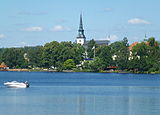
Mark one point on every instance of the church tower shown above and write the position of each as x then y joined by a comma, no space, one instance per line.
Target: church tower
81,39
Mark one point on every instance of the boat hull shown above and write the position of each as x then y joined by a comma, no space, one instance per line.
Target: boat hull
15,84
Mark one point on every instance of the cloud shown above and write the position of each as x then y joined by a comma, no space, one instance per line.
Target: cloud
108,9
23,43
60,28
33,29
2,36
138,21
112,37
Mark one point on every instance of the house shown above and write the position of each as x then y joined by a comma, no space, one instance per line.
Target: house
130,49
132,45
112,68
3,66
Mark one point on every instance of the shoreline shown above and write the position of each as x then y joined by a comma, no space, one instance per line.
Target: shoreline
69,71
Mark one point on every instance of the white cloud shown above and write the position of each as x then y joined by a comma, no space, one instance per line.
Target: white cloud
2,36
107,9
138,21
112,37
60,28
23,43
33,29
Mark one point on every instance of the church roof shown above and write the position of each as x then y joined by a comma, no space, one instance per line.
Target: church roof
99,42
81,30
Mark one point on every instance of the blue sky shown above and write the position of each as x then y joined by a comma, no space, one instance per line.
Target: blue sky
36,22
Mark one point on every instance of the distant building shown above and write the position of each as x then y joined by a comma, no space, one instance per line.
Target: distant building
130,50
132,45
81,39
3,66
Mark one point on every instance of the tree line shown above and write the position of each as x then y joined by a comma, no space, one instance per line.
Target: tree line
143,57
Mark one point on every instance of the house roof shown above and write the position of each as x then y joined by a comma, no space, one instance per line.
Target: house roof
132,45
3,65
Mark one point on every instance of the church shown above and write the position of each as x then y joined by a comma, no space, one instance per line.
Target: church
81,38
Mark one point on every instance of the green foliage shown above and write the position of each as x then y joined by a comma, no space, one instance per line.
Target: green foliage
95,65
144,57
14,57
50,55
104,53
116,46
152,42
55,52
59,66
69,64
90,48
34,56
121,51
140,49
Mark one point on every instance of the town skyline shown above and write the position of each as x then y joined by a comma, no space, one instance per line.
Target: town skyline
32,23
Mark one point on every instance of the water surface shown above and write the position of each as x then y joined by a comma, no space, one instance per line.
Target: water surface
80,94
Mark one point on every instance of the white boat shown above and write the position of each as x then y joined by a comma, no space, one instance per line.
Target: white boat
15,84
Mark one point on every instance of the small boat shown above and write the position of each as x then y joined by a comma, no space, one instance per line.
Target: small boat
15,84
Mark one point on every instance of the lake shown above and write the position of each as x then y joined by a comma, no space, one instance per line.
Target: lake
80,94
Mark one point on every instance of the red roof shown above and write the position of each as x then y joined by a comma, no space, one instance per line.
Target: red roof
3,65
132,45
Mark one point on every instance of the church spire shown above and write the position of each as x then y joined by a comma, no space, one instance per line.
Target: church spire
81,30
81,23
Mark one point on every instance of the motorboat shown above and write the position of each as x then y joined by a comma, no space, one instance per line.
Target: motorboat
15,84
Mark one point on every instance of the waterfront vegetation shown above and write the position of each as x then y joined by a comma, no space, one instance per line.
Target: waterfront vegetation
144,57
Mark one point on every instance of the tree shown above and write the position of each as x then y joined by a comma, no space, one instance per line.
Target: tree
34,56
153,54
59,66
14,58
146,56
115,47
96,65
79,52
152,42
139,54
104,53
51,53
125,42
90,48
69,64
60,52
121,51
71,51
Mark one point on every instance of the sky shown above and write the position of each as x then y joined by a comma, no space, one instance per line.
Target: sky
37,22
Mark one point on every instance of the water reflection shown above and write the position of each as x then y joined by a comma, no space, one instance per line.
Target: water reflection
81,101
